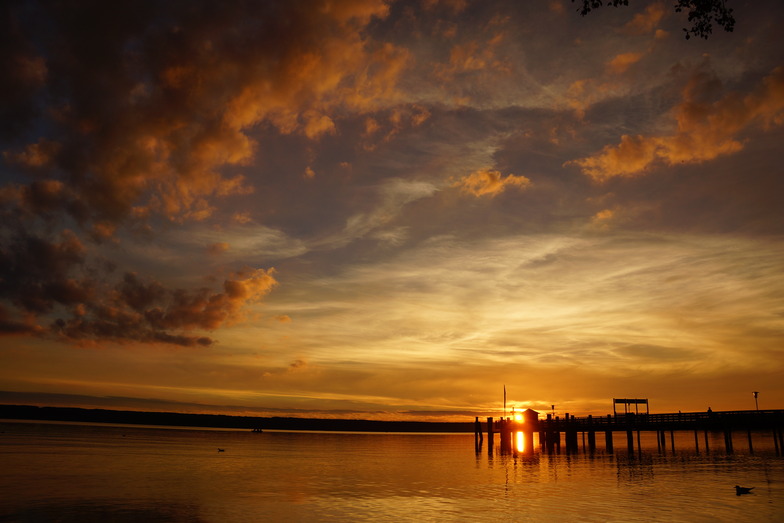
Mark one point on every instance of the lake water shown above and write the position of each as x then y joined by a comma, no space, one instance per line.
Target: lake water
89,472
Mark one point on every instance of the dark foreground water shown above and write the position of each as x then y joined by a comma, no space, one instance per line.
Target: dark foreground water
83,472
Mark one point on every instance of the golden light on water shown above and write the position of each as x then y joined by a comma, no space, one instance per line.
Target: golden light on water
520,442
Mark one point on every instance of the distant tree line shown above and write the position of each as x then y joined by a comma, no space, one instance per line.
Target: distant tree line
27,412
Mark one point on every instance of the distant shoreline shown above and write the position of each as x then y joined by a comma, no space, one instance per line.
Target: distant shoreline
177,419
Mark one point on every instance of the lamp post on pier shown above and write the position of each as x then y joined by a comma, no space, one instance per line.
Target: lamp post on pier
756,403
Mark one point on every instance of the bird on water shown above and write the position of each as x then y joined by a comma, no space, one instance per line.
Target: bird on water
742,490
221,450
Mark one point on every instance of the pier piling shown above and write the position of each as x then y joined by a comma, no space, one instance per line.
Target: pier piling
591,435
490,435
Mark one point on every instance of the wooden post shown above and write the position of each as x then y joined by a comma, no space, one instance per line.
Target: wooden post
510,432
696,441
728,440
504,427
490,435
591,434
751,446
570,434
500,428
781,439
672,440
552,437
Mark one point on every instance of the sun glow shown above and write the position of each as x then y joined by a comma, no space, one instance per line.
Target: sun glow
522,444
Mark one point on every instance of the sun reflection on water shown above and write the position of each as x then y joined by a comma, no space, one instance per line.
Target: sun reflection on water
522,443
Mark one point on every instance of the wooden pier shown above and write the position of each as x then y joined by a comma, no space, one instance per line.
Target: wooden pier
550,429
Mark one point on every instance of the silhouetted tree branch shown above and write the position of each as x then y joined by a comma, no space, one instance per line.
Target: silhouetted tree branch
702,14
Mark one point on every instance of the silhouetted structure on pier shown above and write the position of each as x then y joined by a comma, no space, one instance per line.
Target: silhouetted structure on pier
550,429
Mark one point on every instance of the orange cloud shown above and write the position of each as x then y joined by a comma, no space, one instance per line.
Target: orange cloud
241,217
317,125
622,62
468,57
485,182
35,155
398,120
603,218
661,34
647,21
177,111
583,93
218,248
476,63
705,130
473,57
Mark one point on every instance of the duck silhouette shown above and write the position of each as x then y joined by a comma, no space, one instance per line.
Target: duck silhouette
742,490
221,450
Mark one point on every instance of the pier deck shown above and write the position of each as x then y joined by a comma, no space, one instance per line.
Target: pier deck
738,420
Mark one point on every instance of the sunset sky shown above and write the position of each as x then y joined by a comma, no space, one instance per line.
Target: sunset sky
390,210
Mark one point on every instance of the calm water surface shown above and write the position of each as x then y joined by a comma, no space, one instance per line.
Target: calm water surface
87,472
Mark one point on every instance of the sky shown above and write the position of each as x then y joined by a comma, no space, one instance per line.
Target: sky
390,209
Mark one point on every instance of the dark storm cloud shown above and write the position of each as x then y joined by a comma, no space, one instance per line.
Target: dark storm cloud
146,311
37,274
42,278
